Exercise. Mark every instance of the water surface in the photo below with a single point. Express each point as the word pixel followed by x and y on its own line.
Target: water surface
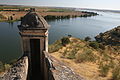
pixel 10 41
pixel 82 27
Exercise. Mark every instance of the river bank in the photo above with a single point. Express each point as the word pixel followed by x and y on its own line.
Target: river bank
pixel 14 14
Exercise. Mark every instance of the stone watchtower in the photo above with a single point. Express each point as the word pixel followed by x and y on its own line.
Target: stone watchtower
pixel 34 34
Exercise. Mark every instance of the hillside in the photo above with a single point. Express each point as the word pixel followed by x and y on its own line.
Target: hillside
pixel 111 37
pixel 89 59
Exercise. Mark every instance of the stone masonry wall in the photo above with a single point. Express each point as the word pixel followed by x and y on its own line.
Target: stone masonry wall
pixel 18 71
pixel 53 70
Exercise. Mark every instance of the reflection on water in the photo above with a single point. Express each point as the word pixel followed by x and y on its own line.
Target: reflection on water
pixel 11 24
pixel 78 27
pixel 9 41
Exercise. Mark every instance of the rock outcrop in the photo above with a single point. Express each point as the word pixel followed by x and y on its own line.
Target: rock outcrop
pixel 111 37
pixel 18 71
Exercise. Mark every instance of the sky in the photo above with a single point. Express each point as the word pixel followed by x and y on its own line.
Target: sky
pixel 95 4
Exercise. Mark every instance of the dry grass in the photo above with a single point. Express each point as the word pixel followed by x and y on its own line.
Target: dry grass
pixel 87 70
pixel 90 70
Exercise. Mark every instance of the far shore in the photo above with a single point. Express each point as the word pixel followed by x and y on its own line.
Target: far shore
pixel 11 15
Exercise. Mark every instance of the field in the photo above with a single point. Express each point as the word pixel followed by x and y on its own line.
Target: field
pixel 16 12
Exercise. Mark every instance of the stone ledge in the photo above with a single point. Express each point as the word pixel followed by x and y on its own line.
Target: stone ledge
pixel 18 71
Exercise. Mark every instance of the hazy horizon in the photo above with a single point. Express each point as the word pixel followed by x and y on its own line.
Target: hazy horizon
pixel 94 4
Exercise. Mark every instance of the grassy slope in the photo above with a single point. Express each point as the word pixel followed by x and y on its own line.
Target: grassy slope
pixel 89 67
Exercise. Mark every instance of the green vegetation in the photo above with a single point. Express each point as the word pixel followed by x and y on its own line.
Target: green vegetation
pixel 86 56
pixel 82 51
pixel 69 54
pixel 59 10
pixel 65 41
pixel 10 18
pixel 12 7
pixel 111 37
pixel 116 33
pixel 87 38
pixel 94 44
pixel 105 57
pixel 7 66
pixel 4 67
pixel 72 53
pixel 69 35
pixel 88 14
pixel 52 17
pixel 116 73
pixel 104 69
pixel 55 47
pixel 101 46
pixel 58 44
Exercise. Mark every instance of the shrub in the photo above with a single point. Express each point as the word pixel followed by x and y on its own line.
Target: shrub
pixel 95 45
pixel 7 66
pixel 71 54
pixel 111 64
pixel 55 47
pixel 2 68
pixel 11 18
pixel 104 70
pixel 86 56
pixel 116 73
pixel 101 46
pixel 69 35
pixel 87 38
pixel 64 53
pixel 65 40
pixel 106 57
pixel 115 33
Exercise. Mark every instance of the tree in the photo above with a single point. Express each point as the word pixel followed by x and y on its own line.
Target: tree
pixel 65 40
pixel 11 18
pixel 87 38
pixel 69 35
pixel 95 45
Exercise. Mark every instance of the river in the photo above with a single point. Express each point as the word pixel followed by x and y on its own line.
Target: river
pixel 10 42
